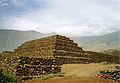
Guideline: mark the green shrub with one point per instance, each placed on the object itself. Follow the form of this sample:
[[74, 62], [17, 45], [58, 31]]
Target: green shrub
[[59, 74], [5, 78], [45, 77]]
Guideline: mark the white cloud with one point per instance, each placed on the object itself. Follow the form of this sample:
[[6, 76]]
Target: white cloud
[[71, 17], [17, 2], [13, 2], [4, 4]]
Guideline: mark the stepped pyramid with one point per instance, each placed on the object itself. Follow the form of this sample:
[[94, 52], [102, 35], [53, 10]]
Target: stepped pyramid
[[53, 46], [46, 55]]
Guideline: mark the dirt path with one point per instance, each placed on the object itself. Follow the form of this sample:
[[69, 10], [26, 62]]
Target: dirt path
[[72, 80], [86, 70]]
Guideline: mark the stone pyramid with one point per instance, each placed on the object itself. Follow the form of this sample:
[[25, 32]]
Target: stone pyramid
[[46, 55], [51, 46]]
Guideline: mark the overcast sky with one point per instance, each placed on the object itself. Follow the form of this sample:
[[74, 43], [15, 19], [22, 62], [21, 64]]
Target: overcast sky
[[66, 17]]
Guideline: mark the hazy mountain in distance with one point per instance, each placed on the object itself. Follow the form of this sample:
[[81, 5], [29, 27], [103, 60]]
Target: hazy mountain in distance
[[99, 43], [11, 39]]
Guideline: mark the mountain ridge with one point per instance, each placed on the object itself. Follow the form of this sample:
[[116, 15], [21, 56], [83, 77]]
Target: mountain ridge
[[102, 42], [11, 39]]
